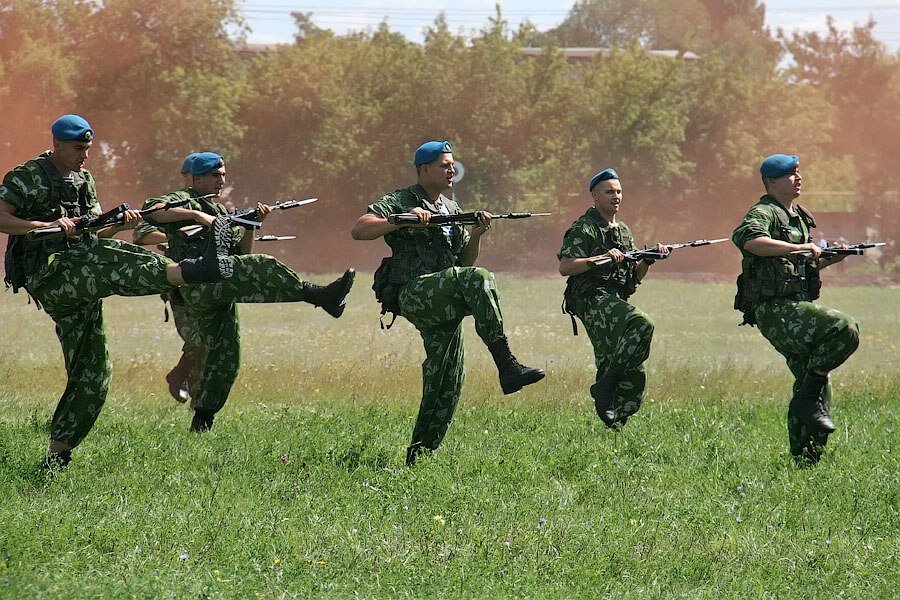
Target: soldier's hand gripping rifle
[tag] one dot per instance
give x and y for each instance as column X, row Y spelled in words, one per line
column 247, row 217
column 110, row 218
column 840, row 250
column 654, row 254
column 461, row 219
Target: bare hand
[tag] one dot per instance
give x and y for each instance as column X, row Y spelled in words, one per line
column 662, row 249
column 810, row 247
column 424, row 217
column 482, row 223
column 204, row 219
column 67, row 224
column 614, row 254
column 262, row 210
column 130, row 220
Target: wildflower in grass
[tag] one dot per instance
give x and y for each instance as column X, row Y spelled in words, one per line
column 184, row 556
column 284, row 458
column 277, row 561
column 506, row 544
column 440, row 519
column 405, row 507
column 743, row 495
column 815, row 541
column 542, row 521
column 828, row 542
column 858, row 528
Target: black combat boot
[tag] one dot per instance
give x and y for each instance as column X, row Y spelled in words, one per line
column 810, row 408
column 513, row 376
column 202, row 421
column 332, row 298
column 414, row 451
column 215, row 264
column 602, row 392
column 55, row 461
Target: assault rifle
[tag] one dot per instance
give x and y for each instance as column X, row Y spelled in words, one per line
column 654, row 254
column 107, row 219
column 247, row 217
column 469, row 218
column 851, row 250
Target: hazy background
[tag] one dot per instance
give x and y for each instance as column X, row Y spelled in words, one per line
column 337, row 109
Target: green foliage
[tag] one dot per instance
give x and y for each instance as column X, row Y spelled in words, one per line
column 340, row 116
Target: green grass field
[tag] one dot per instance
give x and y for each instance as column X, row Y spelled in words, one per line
column 300, row 490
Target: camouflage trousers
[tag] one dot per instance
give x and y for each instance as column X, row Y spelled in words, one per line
column 192, row 348
column 811, row 337
column 210, row 307
column 620, row 334
column 70, row 288
column 436, row 305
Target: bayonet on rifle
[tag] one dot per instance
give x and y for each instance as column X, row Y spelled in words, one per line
column 654, row 254
column 247, row 217
column 851, row 250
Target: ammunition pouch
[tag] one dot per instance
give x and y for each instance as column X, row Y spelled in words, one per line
column 387, row 291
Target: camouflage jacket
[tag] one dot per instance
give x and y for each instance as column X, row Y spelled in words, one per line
column 180, row 246
column 591, row 234
column 766, row 277
column 39, row 192
column 415, row 251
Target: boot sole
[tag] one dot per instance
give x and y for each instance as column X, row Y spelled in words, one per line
column 518, row 385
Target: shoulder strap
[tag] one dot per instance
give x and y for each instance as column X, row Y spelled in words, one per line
column 806, row 216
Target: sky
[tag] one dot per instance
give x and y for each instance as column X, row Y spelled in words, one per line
column 271, row 22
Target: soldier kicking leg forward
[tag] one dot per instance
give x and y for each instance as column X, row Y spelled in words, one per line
column 70, row 274
column 257, row 278
column 431, row 281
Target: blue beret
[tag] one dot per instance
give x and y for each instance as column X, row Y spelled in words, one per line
column 429, row 151
column 70, row 128
column 602, row 176
column 205, row 162
column 778, row 165
column 188, row 161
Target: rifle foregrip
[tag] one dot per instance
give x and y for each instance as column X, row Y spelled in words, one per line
column 403, row 219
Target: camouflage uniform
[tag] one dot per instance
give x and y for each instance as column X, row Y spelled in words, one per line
column 192, row 348
column 619, row 332
column 210, row 307
column 776, row 294
column 434, row 293
column 69, row 277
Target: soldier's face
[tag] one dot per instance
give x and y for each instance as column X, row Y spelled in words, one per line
column 607, row 197
column 210, row 183
column 71, row 154
column 439, row 173
column 787, row 186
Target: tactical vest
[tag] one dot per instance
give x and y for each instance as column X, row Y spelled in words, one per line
column 766, row 277
column 429, row 252
column 26, row 257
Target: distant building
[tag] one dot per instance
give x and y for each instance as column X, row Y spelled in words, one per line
column 583, row 55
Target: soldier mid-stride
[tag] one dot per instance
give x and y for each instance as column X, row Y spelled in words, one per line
column 429, row 280
column 70, row 275
column 185, row 374
column 778, row 283
column 619, row 332
column 211, row 310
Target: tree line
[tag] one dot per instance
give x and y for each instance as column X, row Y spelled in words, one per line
column 339, row 116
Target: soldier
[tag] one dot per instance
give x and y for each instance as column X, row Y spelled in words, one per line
column 430, row 280
column 70, row 275
column 257, row 278
column 186, row 372
column 619, row 332
column 779, row 282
